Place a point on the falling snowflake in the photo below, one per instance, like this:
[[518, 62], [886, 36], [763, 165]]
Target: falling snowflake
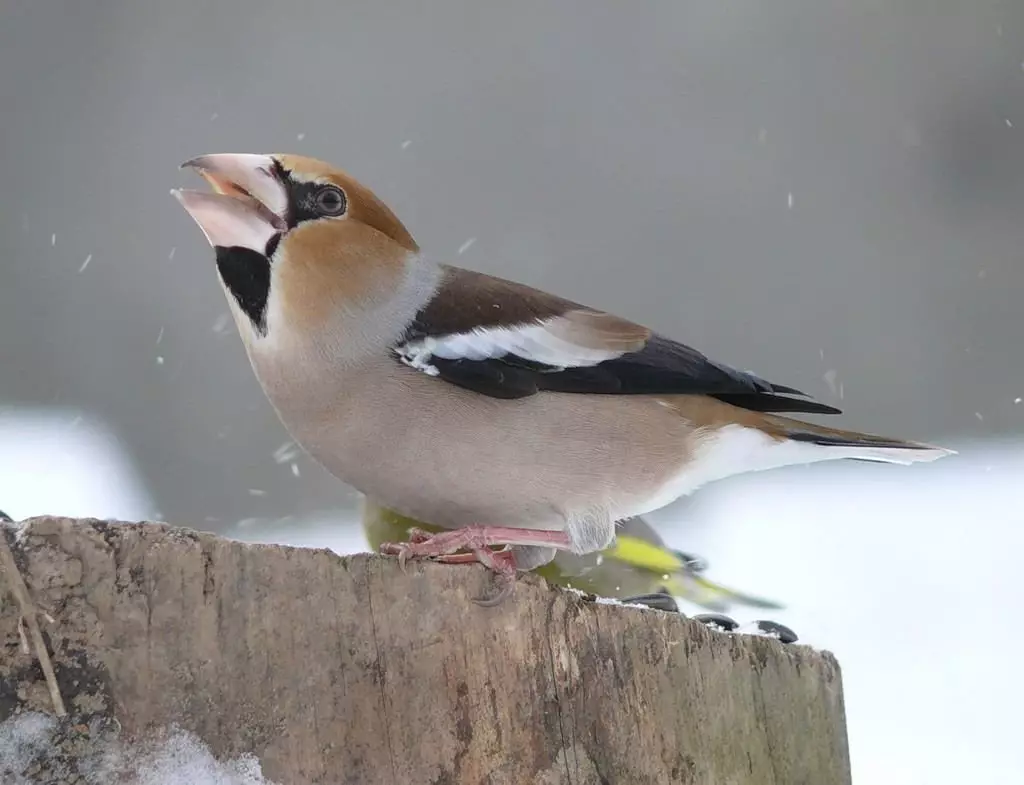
[[221, 323], [286, 453]]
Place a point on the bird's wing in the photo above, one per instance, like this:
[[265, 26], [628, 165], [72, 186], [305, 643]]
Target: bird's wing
[[508, 340]]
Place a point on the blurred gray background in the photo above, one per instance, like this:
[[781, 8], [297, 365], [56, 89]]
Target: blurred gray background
[[828, 193]]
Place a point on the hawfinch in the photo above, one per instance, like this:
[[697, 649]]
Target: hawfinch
[[524, 419], [636, 568]]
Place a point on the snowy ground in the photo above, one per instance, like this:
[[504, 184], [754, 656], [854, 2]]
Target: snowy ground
[[179, 759], [910, 575]]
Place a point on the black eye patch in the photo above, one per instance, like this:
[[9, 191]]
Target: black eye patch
[[311, 201]]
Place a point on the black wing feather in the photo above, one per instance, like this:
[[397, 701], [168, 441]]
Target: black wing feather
[[490, 377], [468, 301], [663, 367]]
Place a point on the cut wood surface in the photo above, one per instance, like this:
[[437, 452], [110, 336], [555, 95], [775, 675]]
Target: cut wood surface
[[347, 669]]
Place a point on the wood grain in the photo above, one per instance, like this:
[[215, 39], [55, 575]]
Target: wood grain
[[336, 669]]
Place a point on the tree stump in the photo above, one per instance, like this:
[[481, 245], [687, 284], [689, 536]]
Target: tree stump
[[347, 669]]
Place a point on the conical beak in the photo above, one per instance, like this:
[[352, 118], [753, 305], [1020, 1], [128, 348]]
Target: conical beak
[[250, 203]]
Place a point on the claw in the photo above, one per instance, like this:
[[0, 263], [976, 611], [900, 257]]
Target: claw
[[504, 565], [399, 549], [506, 585], [477, 540]]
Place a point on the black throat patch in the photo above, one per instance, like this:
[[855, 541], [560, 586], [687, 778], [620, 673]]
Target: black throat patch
[[246, 274]]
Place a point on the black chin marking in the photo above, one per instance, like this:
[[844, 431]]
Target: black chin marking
[[272, 244], [246, 274]]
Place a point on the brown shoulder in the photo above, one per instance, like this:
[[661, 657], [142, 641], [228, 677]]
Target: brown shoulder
[[466, 300]]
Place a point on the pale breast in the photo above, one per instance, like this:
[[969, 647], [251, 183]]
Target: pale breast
[[440, 453]]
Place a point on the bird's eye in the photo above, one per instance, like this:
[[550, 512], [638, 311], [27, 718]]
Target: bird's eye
[[330, 200]]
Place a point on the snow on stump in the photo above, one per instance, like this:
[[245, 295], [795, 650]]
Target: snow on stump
[[302, 666]]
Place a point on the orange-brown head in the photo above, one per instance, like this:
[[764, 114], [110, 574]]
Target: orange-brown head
[[321, 240]]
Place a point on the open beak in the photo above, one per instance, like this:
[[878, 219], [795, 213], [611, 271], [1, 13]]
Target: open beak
[[249, 205]]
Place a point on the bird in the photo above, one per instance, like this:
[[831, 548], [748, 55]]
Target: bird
[[520, 422], [637, 568]]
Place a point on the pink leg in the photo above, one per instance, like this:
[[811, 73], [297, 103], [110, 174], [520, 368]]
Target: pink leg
[[460, 558], [477, 539], [422, 545]]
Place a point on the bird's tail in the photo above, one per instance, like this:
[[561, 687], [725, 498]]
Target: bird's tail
[[859, 446], [676, 577], [710, 595]]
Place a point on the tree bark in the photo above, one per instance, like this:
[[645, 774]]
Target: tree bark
[[347, 669]]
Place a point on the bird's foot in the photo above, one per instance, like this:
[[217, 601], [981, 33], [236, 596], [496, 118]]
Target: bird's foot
[[423, 545], [477, 540], [418, 535], [501, 562]]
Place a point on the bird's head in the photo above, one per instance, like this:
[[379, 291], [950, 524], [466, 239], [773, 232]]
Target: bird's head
[[296, 240]]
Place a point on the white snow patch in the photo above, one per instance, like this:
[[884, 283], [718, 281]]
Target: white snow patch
[[179, 759], [22, 739], [67, 462], [613, 601]]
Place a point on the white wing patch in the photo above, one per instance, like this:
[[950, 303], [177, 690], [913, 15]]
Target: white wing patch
[[531, 342], [417, 354]]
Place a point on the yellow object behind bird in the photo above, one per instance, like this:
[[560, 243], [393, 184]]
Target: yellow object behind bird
[[637, 563]]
